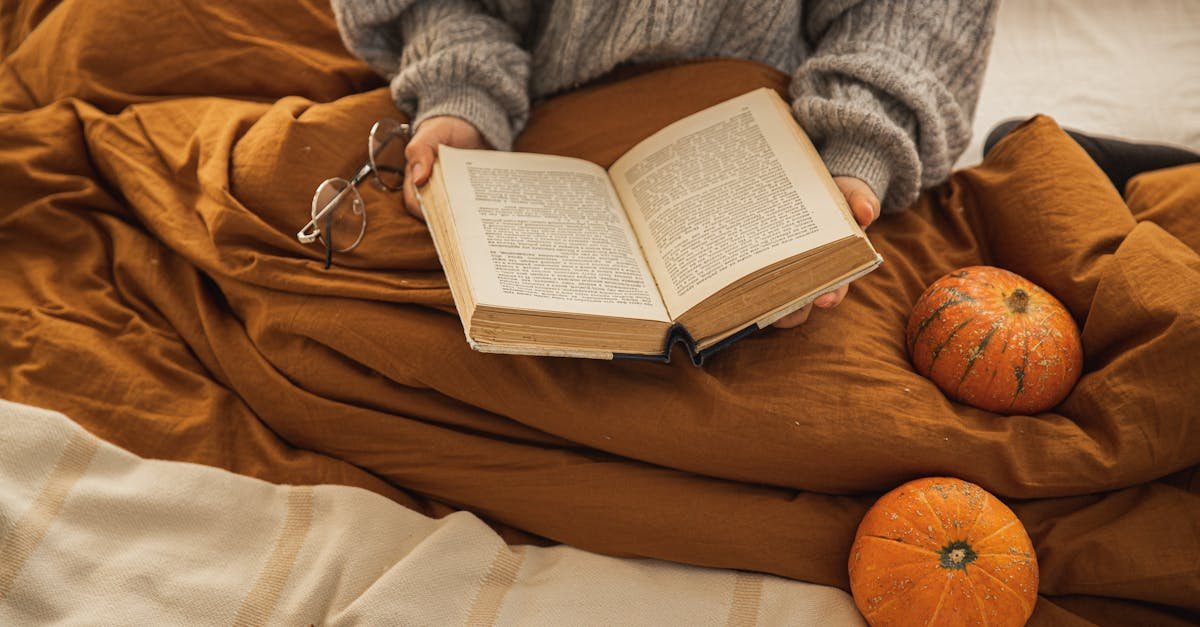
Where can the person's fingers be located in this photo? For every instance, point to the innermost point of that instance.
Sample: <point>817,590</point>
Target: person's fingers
<point>420,154</point>
<point>864,204</point>
<point>423,166</point>
<point>832,299</point>
<point>794,319</point>
<point>824,301</point>
<point>411,204</point>
<point>422,151</point>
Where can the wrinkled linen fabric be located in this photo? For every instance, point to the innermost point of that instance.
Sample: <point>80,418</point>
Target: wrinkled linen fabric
<point>87,525</point>
<point>156,162</point>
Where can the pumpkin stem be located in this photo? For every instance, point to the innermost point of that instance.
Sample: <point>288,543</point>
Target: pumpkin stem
<point>1017,301</point>
<point>956,555</point>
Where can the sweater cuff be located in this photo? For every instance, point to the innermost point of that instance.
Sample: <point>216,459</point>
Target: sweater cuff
<point>471,104</point>
<point>862,161</point>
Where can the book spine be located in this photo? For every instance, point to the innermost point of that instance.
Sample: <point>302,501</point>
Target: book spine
<point>679,335</point>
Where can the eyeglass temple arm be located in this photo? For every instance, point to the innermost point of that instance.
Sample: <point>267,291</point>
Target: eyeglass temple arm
<point>309,233</point>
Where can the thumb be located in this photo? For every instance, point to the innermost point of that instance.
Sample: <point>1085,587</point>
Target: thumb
<point>794,319</point>
<point>420,164</point>
<point>865,206</point>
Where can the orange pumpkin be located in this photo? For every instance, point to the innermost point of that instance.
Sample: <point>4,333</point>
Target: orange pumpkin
<point>994,340</point>
<point>942,551</point>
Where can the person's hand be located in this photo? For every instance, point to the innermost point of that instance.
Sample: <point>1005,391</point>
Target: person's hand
<point>865,207</point>
<point>422,150</point>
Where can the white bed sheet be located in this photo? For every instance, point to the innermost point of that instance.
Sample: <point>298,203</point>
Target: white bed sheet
<point>1111,67</point>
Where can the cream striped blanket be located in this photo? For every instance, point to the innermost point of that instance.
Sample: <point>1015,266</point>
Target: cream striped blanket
<point>93,535</point>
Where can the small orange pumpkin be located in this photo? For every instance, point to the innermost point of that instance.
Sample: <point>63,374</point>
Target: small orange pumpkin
<point>941,551</point>
<point>994,340</point>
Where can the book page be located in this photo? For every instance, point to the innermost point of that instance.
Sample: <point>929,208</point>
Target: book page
<point>546,233</point>
<point>724,192</point>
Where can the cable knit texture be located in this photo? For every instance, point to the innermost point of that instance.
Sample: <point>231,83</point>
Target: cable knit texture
<point>886,89</point>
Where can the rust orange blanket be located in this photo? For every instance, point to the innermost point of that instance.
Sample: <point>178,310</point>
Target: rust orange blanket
<point>156,160</point>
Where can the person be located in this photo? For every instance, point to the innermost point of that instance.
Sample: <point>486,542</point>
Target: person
<point>886,89</point>
<point>1119,159</point>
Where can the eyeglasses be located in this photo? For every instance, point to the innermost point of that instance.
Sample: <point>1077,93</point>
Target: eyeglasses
<point>338,211</point>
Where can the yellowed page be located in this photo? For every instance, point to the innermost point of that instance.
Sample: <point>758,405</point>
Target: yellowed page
<point>724,192</point>
<point>546,233</point>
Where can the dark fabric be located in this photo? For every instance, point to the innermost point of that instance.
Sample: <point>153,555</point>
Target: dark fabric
<point>1119,159</point>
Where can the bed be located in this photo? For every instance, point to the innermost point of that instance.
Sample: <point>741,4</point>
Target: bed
<point>156,161</point>
<point>1119,69</point>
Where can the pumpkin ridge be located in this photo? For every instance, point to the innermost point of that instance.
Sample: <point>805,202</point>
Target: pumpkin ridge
<point>908,521</point>
<point>995,531</point>
<point>897,597</point>
<point>937,352</point>
<point>941,600</point>
<point>895,541</point>
<point>937,312</point>
<point>959,294</point>
<point>936,518</point>
<point>1019,372</point>
<point>1007,555</point>
<point>1020,599</point>
<point>975,523</point>
<point>975,354</point>
<point>978,601</point>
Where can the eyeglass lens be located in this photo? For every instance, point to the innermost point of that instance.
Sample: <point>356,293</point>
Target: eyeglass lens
<point>386,146</point>
<point>344,225</point>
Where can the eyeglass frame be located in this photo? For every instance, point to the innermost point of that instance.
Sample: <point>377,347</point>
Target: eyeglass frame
<point>311,231</point>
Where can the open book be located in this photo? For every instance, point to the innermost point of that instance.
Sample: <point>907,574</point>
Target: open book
<point>713,227</point>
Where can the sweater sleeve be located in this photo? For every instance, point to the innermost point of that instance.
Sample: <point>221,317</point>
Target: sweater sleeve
<point>889,89</point>
<point>445,57</point>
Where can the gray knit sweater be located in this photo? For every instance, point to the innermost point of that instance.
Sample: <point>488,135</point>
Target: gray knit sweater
<point>886,89</point>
